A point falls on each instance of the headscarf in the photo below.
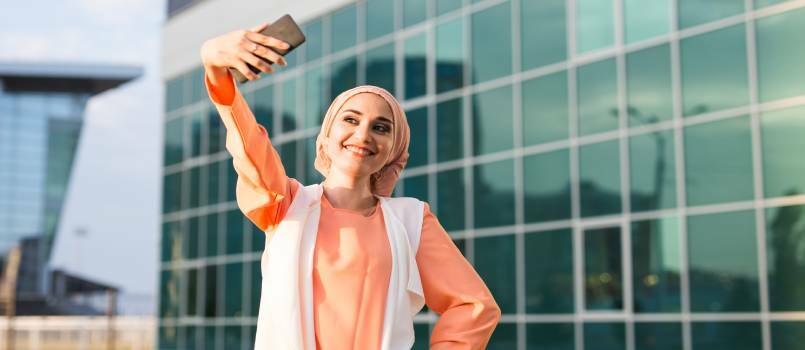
(384, 179)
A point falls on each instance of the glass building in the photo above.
(41, 115)
(623, 174)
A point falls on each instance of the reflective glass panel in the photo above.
(449, 55)
(652, 171)
(314, 40)
(600, 186)
(169, 294)
(263, 108)
(546, 185)
(212, 235)
(214, 182)
(414, 11)
(172, 189)
(445, 6)
(234, 232)
(312, 175)
(379, 18)
(451, 198)
(491, 43)
(783, 139)
(233, 336)
(645, 19)
(656, 265)
(787, 335)
(494, 261)
(714, 73)
(543, 37)
(449, 130)
(603, 282)
(343, 75)
(492, 120)
(344, 31)
(780, 55)
(174, 131)
(217, 132)
(658, 336)
(785, 257)
(173, 93)
(315, 99)
(191, 238)
(421, 336)
(718, 162)
(545, 109)
(191, 291)
(648, 85)
(763, 3)
(233, 294)
(380, 67)
(231, 180)
(255, 289)
(195, 121)
(549, 272)
(694, 12)
(604, 336)
(195, 187)
(415, 66)
(289, 111)
(550, 336)
(722, 253)
(504, 337)
(597, 97)
(418, 146)
(595, 25)
(494, 193)
(288, 154)
(722, 335)
(212, 337)
(211, 291)
(168, 338)
(416, 186)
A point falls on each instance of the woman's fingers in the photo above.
(256, 62)
(260, 27)
(268, 54)
(268, 41)
(244, 69)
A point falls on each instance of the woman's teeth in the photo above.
(358, 150)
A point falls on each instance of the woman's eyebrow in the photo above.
(353, 111)
(384, 119)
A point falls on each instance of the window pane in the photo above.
(168, 338)
(233, 295)
(783, 139)
(191, 238)
(595, 25)
(504, 337)
(344, 75)
(546, 185)
(421, 336)
(416, 186)
(311, 175)
(763, 3)
(694, 12)
(415, 66)
(445, 6)
(418, 146)
(379, 18)
(494, 194)
(656, 262)
(549, 272)
(494, 261)
(380, 67)
(542, 33)
(600, 183)
(653, 171)
(722, 255)
(190, 292)
(172, 189)
(174, 130)
(603, 284)
(604, 336)
(256, 287)
(231, 180)
(171, 241)
(234, 232)
(451, 199)
(785, 241)
(258, 236)
(718, 162)
(449, 130)
(212, 235)
(493, 119)
(714, 73)
(648, 85)
(645, 19)
(289, 105)
(264, 108)
(450, 55)
(545, 109)
(211, 291)
(787, 335)
(211, 337)
(414, 11)
(550, 336)
(169, 294)
(741, 335)
(491, 43)
(233, 337)
(780, 55)
(658, 336)
(214, 182)
(598, 97)
(313, 40)
(217, 132)
(195, 120)
(345, 28)
(191, 337)
(173, 93)
(315, 99)
(288, 155)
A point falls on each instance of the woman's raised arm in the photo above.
(263, 191)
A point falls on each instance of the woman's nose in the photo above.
(362, 134)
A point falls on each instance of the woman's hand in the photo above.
(236, 49)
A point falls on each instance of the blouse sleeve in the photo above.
(453, 289)
(263, 191)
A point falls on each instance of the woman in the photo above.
(345, 267)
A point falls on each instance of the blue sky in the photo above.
(114, 192)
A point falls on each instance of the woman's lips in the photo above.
(359, 151)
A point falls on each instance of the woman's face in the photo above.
(361, 136)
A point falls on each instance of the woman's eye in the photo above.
(350, 120)
(382, 128)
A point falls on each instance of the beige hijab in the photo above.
(382, 181)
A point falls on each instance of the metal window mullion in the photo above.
(519, 215)
(467, 128)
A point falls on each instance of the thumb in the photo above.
(259, 28)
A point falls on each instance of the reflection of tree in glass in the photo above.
(787, 289)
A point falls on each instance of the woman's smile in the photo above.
(359, 151)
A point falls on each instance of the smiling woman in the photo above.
(370, 262)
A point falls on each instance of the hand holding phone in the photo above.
(284, 29)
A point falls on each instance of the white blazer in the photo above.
(285, 319)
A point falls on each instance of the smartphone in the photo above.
(285, 29)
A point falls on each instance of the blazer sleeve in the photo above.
(263, 190)
(454, 290)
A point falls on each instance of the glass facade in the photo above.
(622, 174)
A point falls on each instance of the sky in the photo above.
(114, 190)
